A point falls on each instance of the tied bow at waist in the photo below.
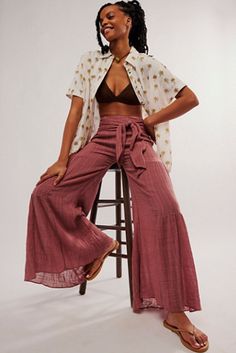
(136, 154)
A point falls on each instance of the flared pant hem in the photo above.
(67, 278)
(152, 304)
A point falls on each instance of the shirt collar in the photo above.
(131, 58)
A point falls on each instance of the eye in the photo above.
(109, 16)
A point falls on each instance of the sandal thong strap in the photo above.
(188, 331)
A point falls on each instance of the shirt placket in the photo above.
(131, 73)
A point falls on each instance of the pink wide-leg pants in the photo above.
(61, 240)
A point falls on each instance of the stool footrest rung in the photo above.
(103, 226)
(111, 202)
(125, 256)
(118, 200)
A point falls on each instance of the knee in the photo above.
(170, 205)
(43, 188)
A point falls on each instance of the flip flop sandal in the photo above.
(96, 272)
(185, 343)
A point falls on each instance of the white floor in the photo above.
(38, 319)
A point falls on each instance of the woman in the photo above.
(132, 92)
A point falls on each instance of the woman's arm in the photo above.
(70, 128)
(60, 166)
(186, 100)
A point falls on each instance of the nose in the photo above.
(103, 24)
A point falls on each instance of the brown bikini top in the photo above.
(105, 95)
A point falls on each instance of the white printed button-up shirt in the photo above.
(153, 83)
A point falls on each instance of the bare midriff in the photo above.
(118, 108)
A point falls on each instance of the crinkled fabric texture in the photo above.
(61, 240)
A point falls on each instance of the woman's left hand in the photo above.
(149, 127)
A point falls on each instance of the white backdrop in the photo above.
(41, 42)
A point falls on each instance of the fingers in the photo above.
(42, 178)
(152, 134)
(150, 131)
(56, 181)
(57, 169)
(60, 176)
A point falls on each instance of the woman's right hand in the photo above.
(58, 168)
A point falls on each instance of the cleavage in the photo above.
(118, 95)
(120, 74)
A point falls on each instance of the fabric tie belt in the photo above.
(136, 155)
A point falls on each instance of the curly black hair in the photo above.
(138, 32)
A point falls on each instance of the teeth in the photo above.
(107, 29)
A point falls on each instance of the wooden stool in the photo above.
(127, 227)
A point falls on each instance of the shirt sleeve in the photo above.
(77, 85)
(169, 84)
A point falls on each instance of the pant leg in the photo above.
(164, 274)
(60, 239)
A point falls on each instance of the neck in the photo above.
(119, 49)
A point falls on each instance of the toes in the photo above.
(205, 339)
(202, 339)
(194, 342)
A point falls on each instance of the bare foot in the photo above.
(180, 320)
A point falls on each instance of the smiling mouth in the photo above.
(107, 30)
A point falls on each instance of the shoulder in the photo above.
(88, 57)
(153, 61)
(149, 62)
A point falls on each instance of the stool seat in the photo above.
(114, 166)
(125, 225)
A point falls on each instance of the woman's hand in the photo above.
(150, 127)
(58, 168)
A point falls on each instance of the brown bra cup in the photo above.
(105, 95)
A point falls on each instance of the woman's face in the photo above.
(114, 23)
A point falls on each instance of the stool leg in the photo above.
(93, 216)
(128, 230)
(118, 221)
